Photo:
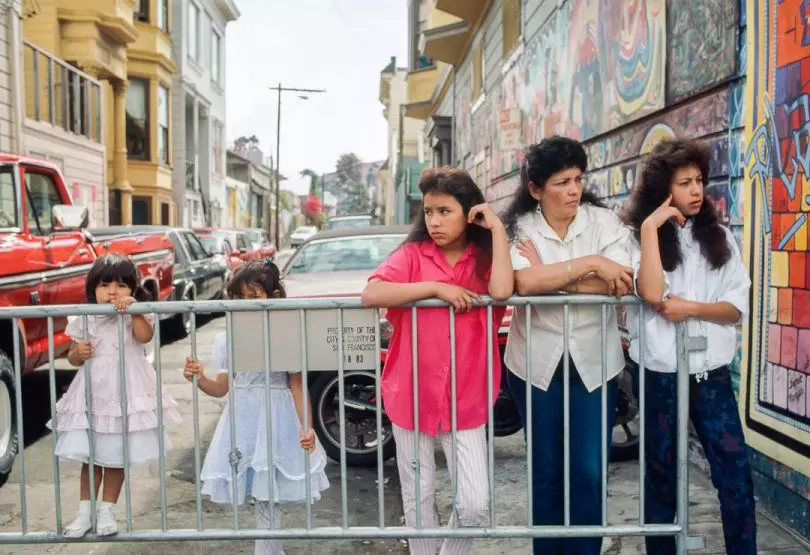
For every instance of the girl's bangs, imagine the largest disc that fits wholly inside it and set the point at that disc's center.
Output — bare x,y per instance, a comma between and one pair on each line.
117,270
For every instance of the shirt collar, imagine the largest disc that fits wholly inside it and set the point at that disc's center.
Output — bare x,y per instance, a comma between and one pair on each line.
429,248
577,226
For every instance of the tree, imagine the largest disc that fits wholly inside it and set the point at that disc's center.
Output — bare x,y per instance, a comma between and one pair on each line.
246,142
351,189
314,180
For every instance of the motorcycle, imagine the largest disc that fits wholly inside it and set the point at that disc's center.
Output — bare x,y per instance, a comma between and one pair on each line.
360,415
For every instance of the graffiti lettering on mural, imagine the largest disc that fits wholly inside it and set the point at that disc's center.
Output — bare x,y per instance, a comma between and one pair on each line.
703,117
509,129
777,374
702,45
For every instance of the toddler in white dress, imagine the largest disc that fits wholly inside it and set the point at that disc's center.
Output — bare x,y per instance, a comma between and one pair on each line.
271,483
115,280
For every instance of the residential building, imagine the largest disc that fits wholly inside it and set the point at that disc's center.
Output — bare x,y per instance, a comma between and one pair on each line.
406,153
248,193
124,47
198,101
489,77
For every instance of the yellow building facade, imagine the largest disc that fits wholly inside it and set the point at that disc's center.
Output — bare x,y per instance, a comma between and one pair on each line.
126,44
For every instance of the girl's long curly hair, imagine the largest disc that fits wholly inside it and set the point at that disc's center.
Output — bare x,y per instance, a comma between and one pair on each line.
460,185
542,160
653,188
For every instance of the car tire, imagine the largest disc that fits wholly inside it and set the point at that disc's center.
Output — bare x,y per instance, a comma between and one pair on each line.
180,324
326,385
8,418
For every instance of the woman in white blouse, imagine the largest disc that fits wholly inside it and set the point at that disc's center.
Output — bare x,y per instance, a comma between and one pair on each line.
688,267
564,240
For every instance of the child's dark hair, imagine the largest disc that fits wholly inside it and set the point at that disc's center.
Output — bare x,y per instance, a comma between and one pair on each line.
262,273
115,267
458,184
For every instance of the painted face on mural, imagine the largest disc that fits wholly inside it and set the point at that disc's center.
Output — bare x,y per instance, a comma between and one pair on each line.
687,190
444,218
559,198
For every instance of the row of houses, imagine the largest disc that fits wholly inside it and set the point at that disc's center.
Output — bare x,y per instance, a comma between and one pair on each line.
485,78
127,97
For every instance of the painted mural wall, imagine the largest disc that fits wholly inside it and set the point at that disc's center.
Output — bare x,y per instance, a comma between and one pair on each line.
694,69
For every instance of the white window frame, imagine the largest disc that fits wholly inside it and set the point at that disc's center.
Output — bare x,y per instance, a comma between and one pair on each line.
193,41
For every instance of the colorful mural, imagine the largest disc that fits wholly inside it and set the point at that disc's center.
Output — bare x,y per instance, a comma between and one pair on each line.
776,385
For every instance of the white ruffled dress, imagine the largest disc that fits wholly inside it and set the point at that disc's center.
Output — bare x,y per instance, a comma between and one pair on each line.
285,480
107,417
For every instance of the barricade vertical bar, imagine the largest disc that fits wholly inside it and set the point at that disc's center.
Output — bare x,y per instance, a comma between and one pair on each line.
642,463
490,421
682,515
164,516
195,404
566,417
453,410
305,386
57,486
88,401
529,443
417,462
235,455
20,437
344,501
122,383
269,404
378,410
604,418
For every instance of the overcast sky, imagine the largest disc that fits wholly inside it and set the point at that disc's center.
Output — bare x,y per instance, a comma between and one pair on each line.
337,45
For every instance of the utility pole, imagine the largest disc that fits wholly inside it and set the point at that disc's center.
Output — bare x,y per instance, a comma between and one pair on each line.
280,90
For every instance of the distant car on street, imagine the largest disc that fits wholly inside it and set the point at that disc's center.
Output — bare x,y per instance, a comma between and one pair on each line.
301,234
242,250
260,241
350,221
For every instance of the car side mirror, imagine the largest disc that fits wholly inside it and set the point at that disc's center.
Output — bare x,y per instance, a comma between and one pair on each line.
67,217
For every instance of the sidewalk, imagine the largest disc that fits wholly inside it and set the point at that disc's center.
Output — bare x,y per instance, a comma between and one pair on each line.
623,503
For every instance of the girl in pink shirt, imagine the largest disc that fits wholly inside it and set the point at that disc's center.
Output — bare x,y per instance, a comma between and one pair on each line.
456,252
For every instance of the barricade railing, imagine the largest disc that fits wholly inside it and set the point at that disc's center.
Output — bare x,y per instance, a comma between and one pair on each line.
298,310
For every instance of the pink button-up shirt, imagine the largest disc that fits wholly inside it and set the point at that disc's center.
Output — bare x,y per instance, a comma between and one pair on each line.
417,262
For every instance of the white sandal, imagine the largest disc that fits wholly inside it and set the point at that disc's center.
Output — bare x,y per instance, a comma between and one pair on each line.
106,523
83,523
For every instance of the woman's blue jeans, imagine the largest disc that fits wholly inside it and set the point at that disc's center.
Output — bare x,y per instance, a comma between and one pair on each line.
585,457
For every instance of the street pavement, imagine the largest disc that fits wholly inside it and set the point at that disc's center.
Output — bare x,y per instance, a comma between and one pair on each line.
510,489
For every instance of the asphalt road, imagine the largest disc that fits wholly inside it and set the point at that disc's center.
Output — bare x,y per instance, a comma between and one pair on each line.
179,479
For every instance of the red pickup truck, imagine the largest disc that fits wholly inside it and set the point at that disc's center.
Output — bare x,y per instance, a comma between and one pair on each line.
45,255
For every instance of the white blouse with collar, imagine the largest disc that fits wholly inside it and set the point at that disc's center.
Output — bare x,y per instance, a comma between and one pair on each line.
693,280
594,231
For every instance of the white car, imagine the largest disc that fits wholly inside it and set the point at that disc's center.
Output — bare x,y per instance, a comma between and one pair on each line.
301,234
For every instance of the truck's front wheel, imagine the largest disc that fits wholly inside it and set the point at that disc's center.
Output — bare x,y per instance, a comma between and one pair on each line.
8,418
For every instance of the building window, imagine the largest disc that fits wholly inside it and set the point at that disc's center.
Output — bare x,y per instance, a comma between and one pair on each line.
216,56
218,152
163,125
193,32
141,210
165,211
478,70
163,15
138,119
512,25
142,11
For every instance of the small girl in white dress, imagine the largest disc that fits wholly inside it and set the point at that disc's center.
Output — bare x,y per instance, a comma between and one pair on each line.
286,478
115,280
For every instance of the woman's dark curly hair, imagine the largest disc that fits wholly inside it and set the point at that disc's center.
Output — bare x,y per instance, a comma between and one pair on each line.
458,184
542,160
653,188
261,273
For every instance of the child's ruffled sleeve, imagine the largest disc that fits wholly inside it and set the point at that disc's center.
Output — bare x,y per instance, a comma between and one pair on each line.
75,328
219,354
149,318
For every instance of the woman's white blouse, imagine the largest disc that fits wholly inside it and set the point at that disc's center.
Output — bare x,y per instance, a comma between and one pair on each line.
594,231
694,280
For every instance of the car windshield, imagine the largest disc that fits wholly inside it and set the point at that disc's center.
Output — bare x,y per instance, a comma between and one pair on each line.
306,229
344,254
212,244
351,223
254,236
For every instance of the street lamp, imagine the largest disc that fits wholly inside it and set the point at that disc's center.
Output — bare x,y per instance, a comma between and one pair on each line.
280,90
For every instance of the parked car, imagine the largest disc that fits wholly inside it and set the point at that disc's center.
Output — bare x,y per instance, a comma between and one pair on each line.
338,263
198,274
301,234
221,249
45,255
242,247
350,221
260,241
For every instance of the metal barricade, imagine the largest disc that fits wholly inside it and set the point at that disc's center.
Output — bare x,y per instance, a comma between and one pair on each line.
342,530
